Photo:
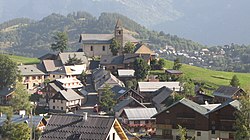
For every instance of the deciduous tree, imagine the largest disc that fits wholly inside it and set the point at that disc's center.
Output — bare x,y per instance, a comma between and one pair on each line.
177,64
8,71
20,99
61,42
141,68
115,47
129,47
243,119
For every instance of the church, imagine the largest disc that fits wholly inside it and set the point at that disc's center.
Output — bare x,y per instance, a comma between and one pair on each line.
96,45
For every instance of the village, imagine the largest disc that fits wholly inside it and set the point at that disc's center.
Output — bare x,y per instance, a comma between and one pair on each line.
100,92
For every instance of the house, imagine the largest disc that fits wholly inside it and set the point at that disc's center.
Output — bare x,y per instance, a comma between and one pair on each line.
38,122
171,72
5,95
70,82
83,127
101,78
96,45
138,120
204,122
56,86
123,61
222,120
160,97
147,89
202,97
124,92
58,67
65,101
143,49
129,102
224,93
32,77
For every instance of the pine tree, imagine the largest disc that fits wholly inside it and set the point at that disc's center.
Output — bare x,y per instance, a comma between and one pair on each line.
235,81
141,68
107,98
177,64
114,47
61,42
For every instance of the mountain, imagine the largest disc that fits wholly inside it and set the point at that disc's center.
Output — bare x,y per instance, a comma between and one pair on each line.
210,22
27,37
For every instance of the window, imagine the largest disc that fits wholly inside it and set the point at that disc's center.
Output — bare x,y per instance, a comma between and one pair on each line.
198,133
34,84
136,129
61,108
136,122
103,48
213,131
167,132
57,107
113,136
61,101
91,48
53,100
54,107
54,76
119,32
33,77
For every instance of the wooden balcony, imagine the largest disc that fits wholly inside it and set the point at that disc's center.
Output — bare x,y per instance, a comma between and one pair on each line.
162,126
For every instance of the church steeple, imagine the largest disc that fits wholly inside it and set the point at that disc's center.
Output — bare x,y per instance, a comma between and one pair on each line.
119,34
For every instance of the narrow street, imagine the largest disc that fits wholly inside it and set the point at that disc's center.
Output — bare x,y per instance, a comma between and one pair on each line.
92,99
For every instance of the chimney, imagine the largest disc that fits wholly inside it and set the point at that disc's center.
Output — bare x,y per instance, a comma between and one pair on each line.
85,116
22,113
206,103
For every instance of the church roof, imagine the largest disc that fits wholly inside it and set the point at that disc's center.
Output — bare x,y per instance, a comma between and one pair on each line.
96,38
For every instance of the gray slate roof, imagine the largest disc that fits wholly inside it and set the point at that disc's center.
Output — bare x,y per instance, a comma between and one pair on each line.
68,95
74,127
96,38
19,119
196,107
140,113
162,94
119,91
27,70
226,91
64,57
233,103
112,60
6,91
126,102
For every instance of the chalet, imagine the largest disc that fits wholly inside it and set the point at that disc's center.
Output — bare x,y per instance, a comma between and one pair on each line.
204,122
96,45
224,93
38,122
222,120
129,102
65,101
32,77
76,127
101,78
124,92
138,120
5,95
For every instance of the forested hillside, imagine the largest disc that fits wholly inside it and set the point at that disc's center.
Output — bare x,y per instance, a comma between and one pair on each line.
33,38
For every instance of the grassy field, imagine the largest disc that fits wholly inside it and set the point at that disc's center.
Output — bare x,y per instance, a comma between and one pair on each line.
23,60
212,77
